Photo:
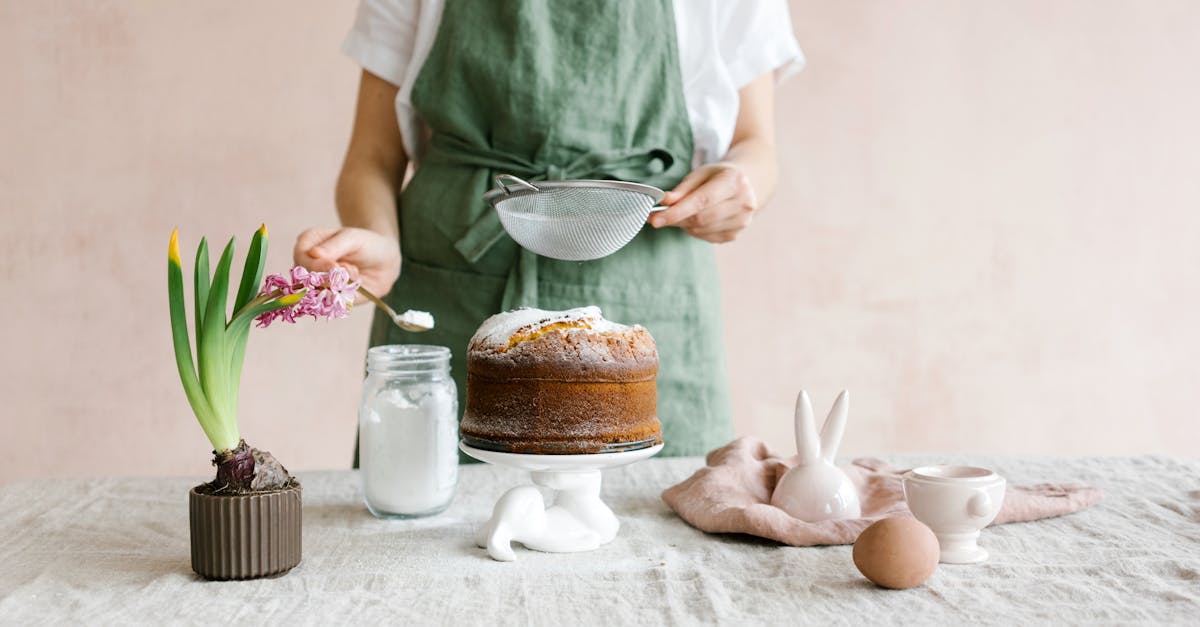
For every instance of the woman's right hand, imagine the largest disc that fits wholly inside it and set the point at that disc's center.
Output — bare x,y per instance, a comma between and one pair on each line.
371,257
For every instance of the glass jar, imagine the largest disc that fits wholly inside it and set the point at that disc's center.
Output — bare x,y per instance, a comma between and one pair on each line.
408,431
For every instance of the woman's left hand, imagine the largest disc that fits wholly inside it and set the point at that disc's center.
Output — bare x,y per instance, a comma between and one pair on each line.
714,203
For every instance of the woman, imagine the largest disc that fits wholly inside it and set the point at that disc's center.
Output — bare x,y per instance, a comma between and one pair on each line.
637,91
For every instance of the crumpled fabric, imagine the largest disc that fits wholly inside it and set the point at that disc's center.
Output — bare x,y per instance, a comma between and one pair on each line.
732,494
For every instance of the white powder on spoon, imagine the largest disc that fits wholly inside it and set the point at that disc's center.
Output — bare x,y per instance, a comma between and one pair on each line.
416,318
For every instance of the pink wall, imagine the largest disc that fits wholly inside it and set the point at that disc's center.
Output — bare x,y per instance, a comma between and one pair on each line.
987,227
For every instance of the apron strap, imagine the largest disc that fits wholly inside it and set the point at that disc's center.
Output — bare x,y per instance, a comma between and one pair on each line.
637,164
521,288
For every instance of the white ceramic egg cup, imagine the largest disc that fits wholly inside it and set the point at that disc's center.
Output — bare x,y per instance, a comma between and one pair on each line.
577,520
956,502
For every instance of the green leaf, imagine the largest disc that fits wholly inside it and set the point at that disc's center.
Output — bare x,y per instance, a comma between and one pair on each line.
239,330
252,273
201,283
241,321
213,348
183,351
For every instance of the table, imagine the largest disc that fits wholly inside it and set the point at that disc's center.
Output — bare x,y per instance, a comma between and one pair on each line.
115,550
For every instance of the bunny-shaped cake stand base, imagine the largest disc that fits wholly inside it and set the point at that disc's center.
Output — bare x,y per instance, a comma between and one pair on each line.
815,489
576,521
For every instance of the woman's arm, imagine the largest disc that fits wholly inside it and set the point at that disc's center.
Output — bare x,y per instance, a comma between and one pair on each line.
717,201
368,243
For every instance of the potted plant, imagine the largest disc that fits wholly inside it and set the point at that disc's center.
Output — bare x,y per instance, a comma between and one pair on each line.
245,523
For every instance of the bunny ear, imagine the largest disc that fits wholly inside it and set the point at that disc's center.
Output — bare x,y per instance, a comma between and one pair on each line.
835,425
808,447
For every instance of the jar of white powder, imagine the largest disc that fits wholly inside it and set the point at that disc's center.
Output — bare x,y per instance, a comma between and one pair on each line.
408,431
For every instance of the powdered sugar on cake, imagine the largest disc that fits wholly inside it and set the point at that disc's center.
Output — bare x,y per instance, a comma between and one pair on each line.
497,331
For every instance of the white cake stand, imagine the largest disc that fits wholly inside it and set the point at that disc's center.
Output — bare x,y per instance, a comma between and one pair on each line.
576,520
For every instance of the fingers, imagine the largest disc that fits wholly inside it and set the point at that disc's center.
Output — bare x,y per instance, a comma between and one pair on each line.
344,243
724,237
690,182
719,236
369,257
722,185
312,237
302,251
721,224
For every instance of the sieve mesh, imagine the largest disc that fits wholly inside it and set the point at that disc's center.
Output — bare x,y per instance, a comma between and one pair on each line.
575,220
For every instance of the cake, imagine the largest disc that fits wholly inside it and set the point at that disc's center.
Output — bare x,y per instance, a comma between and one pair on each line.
560,382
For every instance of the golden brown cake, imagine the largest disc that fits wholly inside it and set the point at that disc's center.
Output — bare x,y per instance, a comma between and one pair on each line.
560,382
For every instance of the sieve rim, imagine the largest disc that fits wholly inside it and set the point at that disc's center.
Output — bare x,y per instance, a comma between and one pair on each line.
492,196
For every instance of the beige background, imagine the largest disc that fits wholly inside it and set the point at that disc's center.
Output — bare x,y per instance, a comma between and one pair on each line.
987,227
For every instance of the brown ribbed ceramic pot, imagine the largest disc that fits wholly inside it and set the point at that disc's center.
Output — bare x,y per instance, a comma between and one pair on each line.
245,536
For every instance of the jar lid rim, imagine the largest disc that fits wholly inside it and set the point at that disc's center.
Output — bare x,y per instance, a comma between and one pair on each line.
407,355
427,350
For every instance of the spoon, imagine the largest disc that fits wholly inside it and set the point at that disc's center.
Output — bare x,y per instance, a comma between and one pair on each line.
410,320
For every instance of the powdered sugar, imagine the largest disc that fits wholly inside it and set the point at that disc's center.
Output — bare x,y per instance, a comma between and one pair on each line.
416,318
496,331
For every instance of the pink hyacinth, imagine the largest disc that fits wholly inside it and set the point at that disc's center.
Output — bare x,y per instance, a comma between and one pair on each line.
329,294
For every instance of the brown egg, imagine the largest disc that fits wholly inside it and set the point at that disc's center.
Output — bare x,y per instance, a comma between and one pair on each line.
896,553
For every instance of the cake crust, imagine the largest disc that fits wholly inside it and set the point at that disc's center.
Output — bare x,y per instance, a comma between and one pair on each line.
572,354
560,383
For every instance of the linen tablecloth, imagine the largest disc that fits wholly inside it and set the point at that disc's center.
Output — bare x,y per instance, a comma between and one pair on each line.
107,551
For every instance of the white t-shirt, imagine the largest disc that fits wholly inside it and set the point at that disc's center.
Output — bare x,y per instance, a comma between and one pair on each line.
723,45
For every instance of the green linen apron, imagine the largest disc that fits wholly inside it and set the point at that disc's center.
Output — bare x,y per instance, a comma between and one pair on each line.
557,90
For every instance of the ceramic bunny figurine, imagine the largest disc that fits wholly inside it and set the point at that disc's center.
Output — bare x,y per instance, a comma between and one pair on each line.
815,489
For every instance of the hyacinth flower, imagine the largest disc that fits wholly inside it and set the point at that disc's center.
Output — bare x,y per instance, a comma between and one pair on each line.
211,380
325,295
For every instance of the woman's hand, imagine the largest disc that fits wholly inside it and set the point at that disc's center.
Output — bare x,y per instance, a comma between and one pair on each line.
370,257
714,203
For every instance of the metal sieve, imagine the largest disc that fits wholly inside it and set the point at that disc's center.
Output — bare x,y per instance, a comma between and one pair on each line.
572,220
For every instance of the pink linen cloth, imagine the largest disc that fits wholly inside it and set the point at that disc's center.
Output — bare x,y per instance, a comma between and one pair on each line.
732,494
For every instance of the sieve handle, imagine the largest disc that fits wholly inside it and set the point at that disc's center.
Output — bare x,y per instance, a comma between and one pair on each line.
514,181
